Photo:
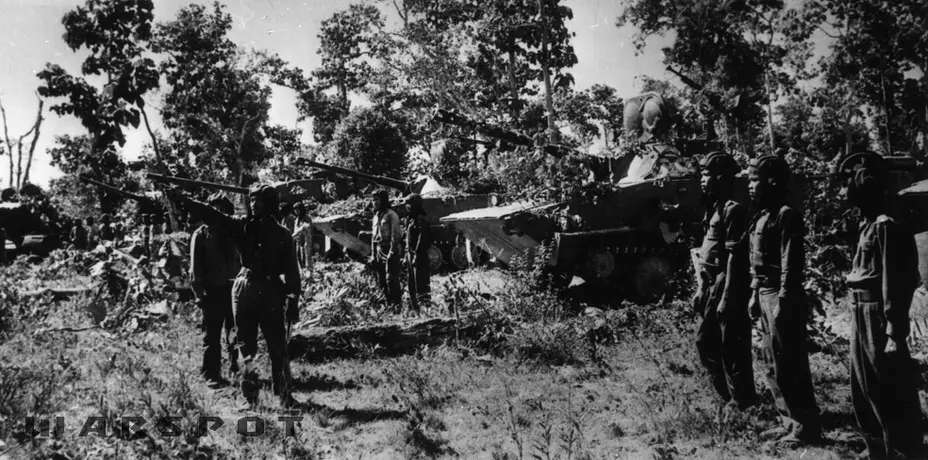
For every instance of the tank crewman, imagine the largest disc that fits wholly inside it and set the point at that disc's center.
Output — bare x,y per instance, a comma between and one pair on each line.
214,264
303,236
883,277
723,336
418,241
79,237
260,298
93,235
106,229
777,259
386,242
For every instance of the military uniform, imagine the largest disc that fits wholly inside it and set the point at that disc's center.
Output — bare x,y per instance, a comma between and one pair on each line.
882,281
259,295
79,237
214,264
777,258
418,241
387,237
723,336
883,277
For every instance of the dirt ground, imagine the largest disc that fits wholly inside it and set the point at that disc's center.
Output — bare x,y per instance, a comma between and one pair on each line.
635,392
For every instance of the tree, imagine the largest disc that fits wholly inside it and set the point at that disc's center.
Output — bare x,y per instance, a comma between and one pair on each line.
730,51
117,33
76,156
370,141
217,107
18,175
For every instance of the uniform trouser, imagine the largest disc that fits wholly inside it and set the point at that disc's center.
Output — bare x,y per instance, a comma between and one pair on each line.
417,280
217,315
306,255
786,359
388,275
883,388
724,345
259,303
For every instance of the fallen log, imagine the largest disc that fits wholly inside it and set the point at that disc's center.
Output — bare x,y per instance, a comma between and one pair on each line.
383,339
58,294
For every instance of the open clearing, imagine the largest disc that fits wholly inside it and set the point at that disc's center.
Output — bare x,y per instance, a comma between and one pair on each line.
626,386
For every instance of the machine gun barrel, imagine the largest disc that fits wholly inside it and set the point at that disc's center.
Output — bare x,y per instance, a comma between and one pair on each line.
132,196
400,185
195,183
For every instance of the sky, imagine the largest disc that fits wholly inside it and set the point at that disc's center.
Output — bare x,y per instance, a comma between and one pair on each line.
31,35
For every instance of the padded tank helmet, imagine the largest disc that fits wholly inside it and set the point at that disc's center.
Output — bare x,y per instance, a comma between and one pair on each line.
267,194
771,166
720,163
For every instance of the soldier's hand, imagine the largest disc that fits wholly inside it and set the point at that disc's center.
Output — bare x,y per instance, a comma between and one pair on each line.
754,306
891,346
201,302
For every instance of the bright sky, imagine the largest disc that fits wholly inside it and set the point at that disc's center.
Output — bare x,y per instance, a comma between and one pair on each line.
31,31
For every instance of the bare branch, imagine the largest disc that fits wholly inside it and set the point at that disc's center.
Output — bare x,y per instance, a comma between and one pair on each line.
6,138
35,138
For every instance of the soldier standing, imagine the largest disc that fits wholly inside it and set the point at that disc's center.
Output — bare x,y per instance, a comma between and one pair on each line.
106,229
418,241
214,263
260,299
93,238
386,239
303,235
723,336
79,236
883,277
777,258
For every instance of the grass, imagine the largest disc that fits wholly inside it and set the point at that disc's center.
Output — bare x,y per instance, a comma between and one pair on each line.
569,383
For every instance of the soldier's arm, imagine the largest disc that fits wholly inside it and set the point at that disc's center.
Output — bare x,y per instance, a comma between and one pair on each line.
209,215
396,232
196,263
291,266
792,253
736,225
898,273
419,236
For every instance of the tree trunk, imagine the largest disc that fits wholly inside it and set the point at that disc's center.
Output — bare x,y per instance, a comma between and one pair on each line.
35,138
773,144
889,141
172,210
545,70
513,88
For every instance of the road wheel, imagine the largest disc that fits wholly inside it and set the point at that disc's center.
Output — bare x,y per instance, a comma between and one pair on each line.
459,257
436,259
652,278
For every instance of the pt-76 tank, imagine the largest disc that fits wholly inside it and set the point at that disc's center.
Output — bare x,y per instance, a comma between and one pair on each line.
354,231
28,230
631,234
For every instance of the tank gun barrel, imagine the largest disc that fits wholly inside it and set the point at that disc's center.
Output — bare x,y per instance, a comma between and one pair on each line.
132,196
400,185
195,183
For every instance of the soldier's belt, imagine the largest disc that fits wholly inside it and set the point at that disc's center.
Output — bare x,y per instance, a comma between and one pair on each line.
766,283
866,295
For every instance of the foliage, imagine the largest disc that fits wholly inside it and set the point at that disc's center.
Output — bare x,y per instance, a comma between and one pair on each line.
75,157
736,54
117,34
371,141
217,107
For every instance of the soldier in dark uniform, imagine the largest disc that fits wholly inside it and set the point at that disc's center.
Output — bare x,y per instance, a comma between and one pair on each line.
214,263
106,229
260,298
777,257
418,241
386,250
883,277
723,336
79,236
